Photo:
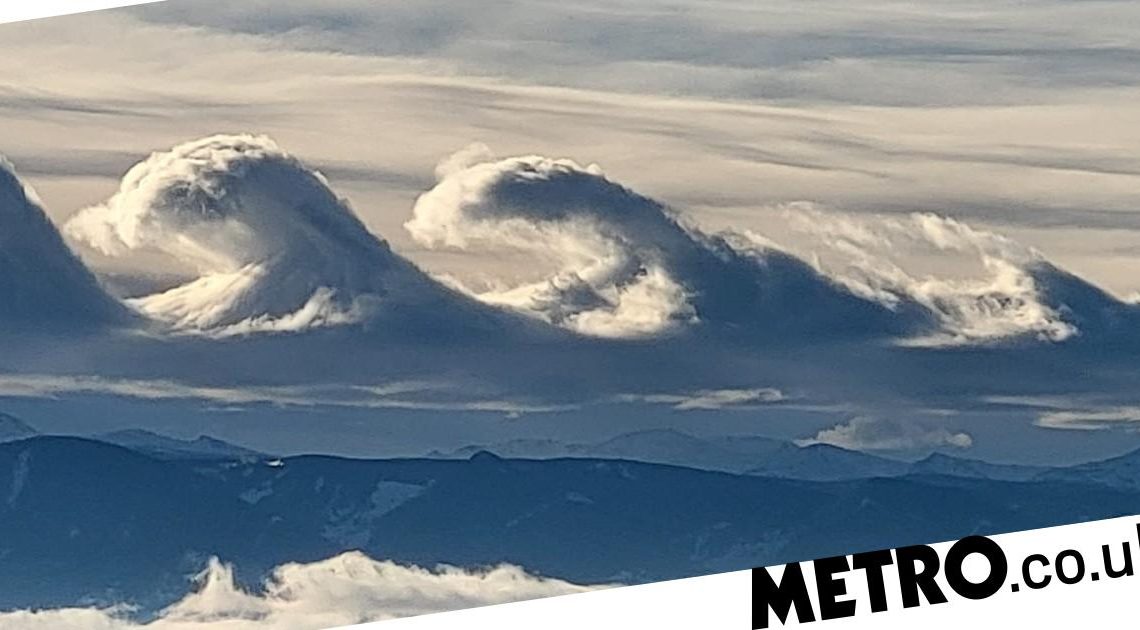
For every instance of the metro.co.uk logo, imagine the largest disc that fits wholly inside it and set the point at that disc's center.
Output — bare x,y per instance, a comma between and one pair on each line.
974,568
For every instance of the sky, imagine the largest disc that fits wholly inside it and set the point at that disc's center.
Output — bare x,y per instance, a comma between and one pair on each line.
920,154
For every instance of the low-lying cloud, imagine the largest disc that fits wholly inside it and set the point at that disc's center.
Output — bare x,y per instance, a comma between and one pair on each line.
348,589
874,434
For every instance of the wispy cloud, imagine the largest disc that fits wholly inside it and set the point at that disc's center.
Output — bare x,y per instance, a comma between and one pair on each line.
398,395
1122,418
711,399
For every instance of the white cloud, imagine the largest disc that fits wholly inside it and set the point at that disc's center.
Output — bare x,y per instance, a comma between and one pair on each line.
626,266
275,249
344,590
712,399
861,252
873,434
1093,419
604,239
398,395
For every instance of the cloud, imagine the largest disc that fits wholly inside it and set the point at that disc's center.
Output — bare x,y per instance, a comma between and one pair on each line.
1091,419
860,252
873,434
897,55
625,265
611,281
42,283
274,248
397,395
348,589
712,399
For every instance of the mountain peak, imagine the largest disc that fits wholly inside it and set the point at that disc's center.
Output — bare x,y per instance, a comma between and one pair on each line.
166,447
12,429
485,457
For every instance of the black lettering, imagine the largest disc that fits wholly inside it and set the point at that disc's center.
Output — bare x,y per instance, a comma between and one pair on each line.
994,556
791,591
1070,579
910,580
830,587
1111,572
872,563
1029,581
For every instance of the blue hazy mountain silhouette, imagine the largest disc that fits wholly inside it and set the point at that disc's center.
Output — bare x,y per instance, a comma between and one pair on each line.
160,446
86,521
749,454
13,428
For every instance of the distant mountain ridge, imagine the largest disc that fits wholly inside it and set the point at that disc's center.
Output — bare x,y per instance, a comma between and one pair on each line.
146,442
1121,472
85,522
749,455
12,428
203,447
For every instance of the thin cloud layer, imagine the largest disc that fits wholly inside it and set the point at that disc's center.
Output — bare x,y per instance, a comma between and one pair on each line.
348,589
714,399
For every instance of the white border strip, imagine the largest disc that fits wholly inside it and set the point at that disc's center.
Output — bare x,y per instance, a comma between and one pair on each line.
21,10
1045,587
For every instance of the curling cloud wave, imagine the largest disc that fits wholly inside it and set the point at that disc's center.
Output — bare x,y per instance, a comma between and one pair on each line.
344,590
628,266
275,248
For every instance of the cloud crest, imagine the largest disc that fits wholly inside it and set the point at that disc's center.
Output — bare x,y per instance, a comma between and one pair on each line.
274,248
348,589
627,266
1004,302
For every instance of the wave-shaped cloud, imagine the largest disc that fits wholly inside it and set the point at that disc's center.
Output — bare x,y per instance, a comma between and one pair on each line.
42,283
627,265
275,248
1006,301
348,589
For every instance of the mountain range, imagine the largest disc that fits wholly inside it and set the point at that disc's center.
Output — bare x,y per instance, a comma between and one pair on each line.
145,442
750,455
83,521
